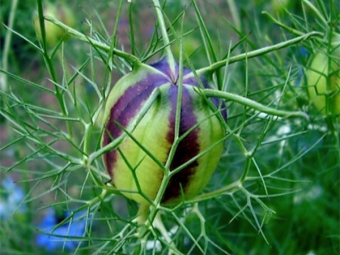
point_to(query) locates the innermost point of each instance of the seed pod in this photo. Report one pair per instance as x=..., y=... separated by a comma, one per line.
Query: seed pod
x=281, y=6
x=323, y=78
x=54, y=33
x=201, y=127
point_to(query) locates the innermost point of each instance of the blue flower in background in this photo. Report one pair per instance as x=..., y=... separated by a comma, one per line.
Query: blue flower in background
x=299, y=77
x=304, y=54
x=11, y=198
x=65, y=236
x=303, y=51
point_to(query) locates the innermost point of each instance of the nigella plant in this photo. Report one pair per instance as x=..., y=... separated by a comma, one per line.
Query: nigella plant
x=165, y=152
x=168, y=127
x=164, y=127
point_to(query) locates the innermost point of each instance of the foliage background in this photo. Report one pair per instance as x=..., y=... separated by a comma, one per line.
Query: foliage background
x=298, y=161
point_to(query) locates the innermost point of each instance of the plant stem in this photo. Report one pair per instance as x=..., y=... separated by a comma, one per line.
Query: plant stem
x=8, y=37
x=165, y=37
x=128, y=57
x=212, y=68
x=142, y=214
x=158, y=224
x=234, y=14
x=316, y=11
x=216, y=193
x=142, y=221
x=252, y=104
x=48, y=61
x=277, y=22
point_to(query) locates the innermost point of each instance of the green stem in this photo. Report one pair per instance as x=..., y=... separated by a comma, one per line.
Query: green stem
x=212, y=68
x=7, y=43
x=142, y=214
x=287, y=28
x=48, y=61
x=216, y=193
x=234, y=14
x=316, y=11
x=252, y=104
x=128, y=57
x=142, y=220
x=98, y=198
x=158, y=224
x=165, y=37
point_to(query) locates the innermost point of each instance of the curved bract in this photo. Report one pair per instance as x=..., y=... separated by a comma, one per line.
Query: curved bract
x=137, y=165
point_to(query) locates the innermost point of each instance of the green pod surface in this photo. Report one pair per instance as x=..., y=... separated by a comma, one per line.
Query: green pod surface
x=323, y=78
x=138, y=174
x=60, y=11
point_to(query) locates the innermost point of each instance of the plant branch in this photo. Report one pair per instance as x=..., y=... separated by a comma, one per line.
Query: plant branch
x=134, y=61
x=165, y=36
x=7, y=43
x=212, y=68
x=252, y=104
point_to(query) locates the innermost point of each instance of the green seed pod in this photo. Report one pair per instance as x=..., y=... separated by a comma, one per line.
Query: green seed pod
x=54, y=33
x=280, y=6
x=323, y=78
x=201, y=128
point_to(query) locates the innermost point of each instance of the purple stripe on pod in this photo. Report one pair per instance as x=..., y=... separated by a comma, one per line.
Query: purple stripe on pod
x=163, y=66
x=125, y=109
x=187, y=149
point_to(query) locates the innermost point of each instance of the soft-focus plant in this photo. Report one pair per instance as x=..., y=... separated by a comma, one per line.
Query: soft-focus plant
x=117, y=92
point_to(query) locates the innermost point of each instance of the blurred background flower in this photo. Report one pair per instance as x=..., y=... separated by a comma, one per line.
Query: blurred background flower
x=56, y=235
x=11, y=199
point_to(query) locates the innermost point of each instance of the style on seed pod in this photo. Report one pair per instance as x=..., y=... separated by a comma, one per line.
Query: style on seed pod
x=322, y=76
x=136, y=166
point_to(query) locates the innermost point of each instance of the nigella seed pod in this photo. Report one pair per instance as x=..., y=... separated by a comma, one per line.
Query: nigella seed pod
x=323, y=78
x=135, y=166
x=60, y=11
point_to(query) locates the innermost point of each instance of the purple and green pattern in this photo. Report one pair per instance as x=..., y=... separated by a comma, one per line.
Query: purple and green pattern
x=132, y=170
